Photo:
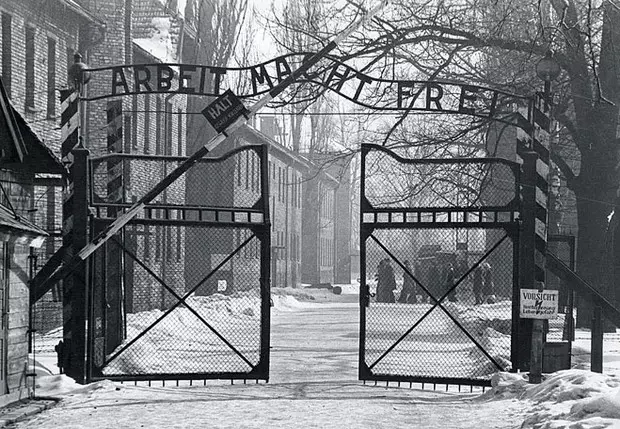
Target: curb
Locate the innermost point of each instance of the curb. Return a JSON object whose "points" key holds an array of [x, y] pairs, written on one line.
{"points": [[22, 410]]}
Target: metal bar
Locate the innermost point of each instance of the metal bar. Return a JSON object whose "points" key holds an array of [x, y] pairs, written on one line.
{"points": [[596, 341], [214, 142], [178, 297], [583, 288], [264, 235]]}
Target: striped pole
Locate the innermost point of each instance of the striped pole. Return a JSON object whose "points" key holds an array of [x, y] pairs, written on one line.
{"points": [[138, 206], [114, 113], [69, 119], [540, 140], [535, 137]]}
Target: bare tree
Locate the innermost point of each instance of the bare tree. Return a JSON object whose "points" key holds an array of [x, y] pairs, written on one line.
{"points": [[498, 44]]}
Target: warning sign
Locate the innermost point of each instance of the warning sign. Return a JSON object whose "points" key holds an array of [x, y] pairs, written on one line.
{"points": [[538, 305]]}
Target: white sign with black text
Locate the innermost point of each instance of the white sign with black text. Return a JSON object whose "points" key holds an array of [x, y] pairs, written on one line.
{"points": [[537, 304]]}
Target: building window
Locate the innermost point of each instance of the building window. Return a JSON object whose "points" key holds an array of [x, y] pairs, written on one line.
{"points": [[6, 52], [51, 77], [147, 123], [180, 138], [247, 172], [169, 131], [179, 239], [158, 126], [279, 183], [134, 123], [127, 134], [30, 33]]}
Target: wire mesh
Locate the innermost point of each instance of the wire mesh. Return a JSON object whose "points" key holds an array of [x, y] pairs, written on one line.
{"points": [[198, 311], [210, 182], [178, 291], [392, 182], [468, 334]]}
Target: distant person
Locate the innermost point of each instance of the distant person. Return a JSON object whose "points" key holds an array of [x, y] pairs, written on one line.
{"points": [[434, 281], [386, 282], [477, 285], [488, 287], [449, 277], [407, 293]]}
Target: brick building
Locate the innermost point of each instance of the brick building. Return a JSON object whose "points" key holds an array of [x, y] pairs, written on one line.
{"points": [[23, 159]]}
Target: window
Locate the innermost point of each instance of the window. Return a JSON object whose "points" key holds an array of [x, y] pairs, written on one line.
{"points": [[179, 239], [51, 77], [30, 33], [127, 134], [247, 172], [168, 125], [180, 137], [147, 122], [158, 126], [158, 235], [6, 52], [134, 123], [279, 183]]}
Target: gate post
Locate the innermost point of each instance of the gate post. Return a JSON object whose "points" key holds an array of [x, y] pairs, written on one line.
{"points": [[75, 294], [527, 261]]}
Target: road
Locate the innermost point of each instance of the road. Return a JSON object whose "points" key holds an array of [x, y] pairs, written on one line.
{"points": [[313, 385]]}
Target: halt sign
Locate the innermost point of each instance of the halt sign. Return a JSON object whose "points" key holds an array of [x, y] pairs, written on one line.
{"points": [[225, 110], [536, 304]]}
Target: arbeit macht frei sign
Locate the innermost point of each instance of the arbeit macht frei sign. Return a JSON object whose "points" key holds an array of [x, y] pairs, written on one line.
{"points": [[253, 81]]}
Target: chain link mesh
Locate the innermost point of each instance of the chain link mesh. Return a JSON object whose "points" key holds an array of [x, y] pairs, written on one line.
{"points": [[407, 334], [392, 183], [208, 183], [173, 296]]}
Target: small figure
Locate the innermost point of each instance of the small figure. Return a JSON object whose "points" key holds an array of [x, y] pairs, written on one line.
{"points": [[488, 287], [434, 281], [449, 282], [407, 293], [477, 285], [386, 283]]}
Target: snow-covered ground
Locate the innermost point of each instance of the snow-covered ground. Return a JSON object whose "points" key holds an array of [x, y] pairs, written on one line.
{"points": [[313, 381]]}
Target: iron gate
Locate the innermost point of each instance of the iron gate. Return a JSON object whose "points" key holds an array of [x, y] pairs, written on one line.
{"points": [[439, 247], [182, 291]]}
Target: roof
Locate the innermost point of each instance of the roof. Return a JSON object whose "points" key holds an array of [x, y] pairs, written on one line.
{"points": [[252, 135], [13, 226], [20, 148]]}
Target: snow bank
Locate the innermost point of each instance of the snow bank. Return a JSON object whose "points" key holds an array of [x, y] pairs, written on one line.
{"points": [[61, 385], [490, 325], [572, 398]]}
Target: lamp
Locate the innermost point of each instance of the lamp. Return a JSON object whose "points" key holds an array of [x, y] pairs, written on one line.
{"points": [[548, 69], [78, 74]]}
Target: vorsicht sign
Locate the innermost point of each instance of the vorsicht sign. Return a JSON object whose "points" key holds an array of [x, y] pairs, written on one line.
{"points": [[536, 304], [225, 110]]}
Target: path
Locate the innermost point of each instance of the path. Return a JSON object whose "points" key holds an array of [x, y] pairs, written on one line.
{"points": [[313, 385]]}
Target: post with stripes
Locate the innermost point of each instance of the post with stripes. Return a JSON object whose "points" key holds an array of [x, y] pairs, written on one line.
{"points": [[533, 149], [113, 253], [74, 228]]}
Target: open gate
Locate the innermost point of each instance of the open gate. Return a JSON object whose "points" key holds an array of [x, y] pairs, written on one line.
{"points": [[182, 291], [434, 234]]}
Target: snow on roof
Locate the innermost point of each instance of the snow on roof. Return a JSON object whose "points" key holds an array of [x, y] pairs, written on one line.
{"points": [[159, 44], [179, 4]]}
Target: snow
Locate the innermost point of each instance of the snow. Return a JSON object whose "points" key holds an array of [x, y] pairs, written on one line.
{"points": [[314, 377], [180, 6], [159, 44], [572, 398]]}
